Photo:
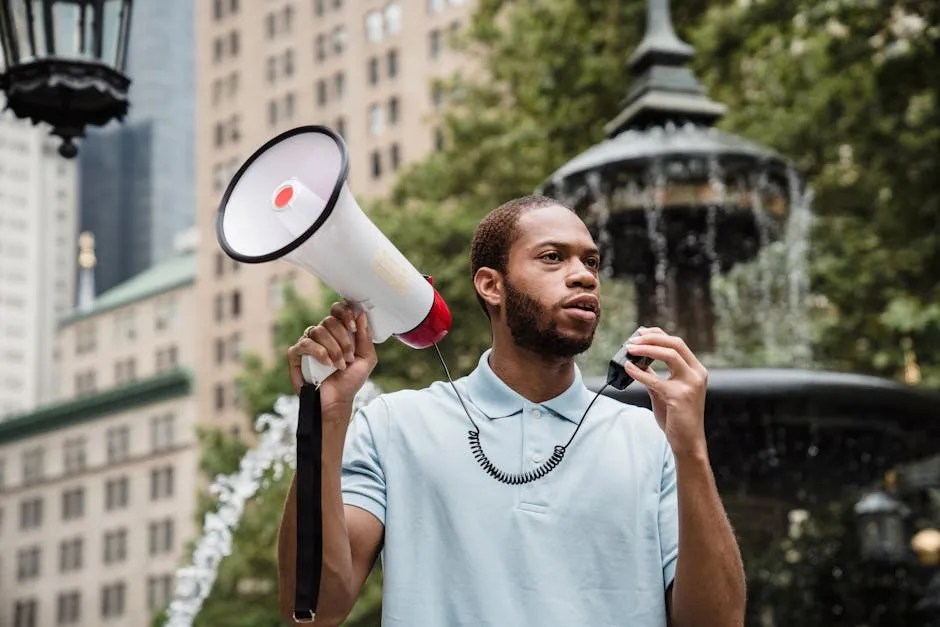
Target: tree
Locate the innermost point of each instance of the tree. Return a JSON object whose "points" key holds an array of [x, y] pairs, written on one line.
{"points": [[848, 90]]}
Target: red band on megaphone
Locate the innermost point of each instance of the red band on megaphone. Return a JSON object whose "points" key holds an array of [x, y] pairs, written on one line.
{"points": [[434, 326]]}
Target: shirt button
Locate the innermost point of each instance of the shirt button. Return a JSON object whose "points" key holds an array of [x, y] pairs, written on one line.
{"points": [[536, 414], [536, 458]]}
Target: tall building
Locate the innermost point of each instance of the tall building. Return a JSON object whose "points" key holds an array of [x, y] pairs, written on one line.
{"points": [[96, 490], [37, 260], [137, 177], [366, 69]]}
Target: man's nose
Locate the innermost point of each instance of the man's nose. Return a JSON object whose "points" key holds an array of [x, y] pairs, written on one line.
{"points": [[582, 276]]}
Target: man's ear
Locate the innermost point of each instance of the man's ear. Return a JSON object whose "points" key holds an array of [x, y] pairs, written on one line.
{"points": [[489, 285]]}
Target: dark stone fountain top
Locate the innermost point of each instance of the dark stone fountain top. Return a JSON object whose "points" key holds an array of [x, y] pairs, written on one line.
{"points": [[840, 393], [643, 146]]}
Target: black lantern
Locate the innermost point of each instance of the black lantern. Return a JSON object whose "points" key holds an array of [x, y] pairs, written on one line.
{"points": [[880, 519], [63, 63]]}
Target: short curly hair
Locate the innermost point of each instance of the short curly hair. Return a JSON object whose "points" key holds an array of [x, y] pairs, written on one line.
{"points": [[497, 232]]}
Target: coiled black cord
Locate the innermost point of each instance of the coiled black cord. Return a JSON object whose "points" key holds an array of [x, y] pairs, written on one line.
{"points": [[476, 447]]}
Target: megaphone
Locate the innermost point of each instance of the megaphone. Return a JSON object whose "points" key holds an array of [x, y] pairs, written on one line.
{"points": [[290, 200]]}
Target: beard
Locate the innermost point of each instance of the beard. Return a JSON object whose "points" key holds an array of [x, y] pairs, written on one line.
{"points": [[525, 316]]}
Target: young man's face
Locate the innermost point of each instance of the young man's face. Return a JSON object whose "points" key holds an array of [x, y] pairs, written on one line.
{"points": [[551, 285]]}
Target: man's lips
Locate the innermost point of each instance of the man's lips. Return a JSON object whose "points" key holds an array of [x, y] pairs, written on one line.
{"points": [[585, 306]]}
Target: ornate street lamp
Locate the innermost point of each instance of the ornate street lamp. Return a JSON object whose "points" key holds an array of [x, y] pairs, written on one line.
{"points": [[880, 519], [63, 63]]}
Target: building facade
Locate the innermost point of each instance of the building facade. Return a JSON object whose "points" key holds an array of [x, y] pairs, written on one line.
{"points": [[38, 236], [137, 177], [97, 498], [367, 70]]}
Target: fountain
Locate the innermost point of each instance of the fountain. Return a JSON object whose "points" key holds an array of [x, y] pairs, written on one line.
{"points": [[675, 204]]}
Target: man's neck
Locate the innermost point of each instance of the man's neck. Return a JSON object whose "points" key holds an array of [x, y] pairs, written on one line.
{"points": [[529, 374]]}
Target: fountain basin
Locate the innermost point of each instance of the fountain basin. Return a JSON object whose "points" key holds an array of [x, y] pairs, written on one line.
{"points": [[782, 439]]}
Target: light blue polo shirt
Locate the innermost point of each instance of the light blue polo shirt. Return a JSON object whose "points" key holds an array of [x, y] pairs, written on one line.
{"points": [[592, 544]]}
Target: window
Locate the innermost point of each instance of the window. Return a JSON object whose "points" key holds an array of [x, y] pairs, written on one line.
{"points": [[73, 453], [287, 18], [318, 7], [376, 164], [288, 62], [116, 493], [288, 106], [434, 44], [339, 85], [339, 39], [219, 351], [219, 396], [395, 156], [27, 563], [374, 27], [435, 6], [30, 513], [69, 607], [374, 71], [376, 121], [32, 466], [159, 590], [321, 47], [161, 536], [161, 483], [161, 432], [393, 19], [272, 112], [271, 71], [236, 304], [219, 307], [437, 95], [165, 309], [341, 126], [270, 26], [115, 546], [321, 92], [70, 555], [73, 504], [25, 613], [393, 110], [235, 346], [392, 63], [118, 443], [112, 600], [438, 140]]}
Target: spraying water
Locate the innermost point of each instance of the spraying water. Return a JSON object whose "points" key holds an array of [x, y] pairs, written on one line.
{"points": [[275, 449]]}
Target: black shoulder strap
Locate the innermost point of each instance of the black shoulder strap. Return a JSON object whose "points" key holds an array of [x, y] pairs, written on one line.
{"points": [[309, 504]]}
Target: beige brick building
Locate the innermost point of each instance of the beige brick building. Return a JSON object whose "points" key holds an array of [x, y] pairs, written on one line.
{"points": [[96, 492], [366, 69]]}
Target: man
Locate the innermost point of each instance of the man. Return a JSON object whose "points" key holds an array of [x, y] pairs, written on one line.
{"points": [[628, 529]]}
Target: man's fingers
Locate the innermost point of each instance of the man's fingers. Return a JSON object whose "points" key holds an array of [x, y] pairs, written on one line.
{"points": [[325, 340], [344, 312], [668, 356], [341, 335], [364, 345], [656, 337], [645, 376]]}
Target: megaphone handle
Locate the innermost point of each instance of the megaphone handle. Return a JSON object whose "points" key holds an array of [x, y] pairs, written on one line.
{"points": [[314, 371]]}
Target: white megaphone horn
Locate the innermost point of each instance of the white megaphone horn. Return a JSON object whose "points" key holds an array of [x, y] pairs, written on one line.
{"points": [[290, 200]]}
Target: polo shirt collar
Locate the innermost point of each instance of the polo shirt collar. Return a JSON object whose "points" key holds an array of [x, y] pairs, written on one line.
{"points": [[497, 400]]}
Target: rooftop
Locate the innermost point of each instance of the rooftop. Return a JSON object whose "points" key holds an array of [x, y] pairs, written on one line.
{"points": [[169, 275], [63, 414]]}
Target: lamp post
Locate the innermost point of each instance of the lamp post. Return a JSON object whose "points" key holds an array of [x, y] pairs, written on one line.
{"points": [[63, 63], [880, 518]]}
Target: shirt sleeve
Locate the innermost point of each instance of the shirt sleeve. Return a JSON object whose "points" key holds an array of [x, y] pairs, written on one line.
{"points": [[669, 517], [363, 477]]}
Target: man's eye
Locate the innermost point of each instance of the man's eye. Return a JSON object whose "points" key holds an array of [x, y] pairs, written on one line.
{"points": [[593, 262], [552, 256]]}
